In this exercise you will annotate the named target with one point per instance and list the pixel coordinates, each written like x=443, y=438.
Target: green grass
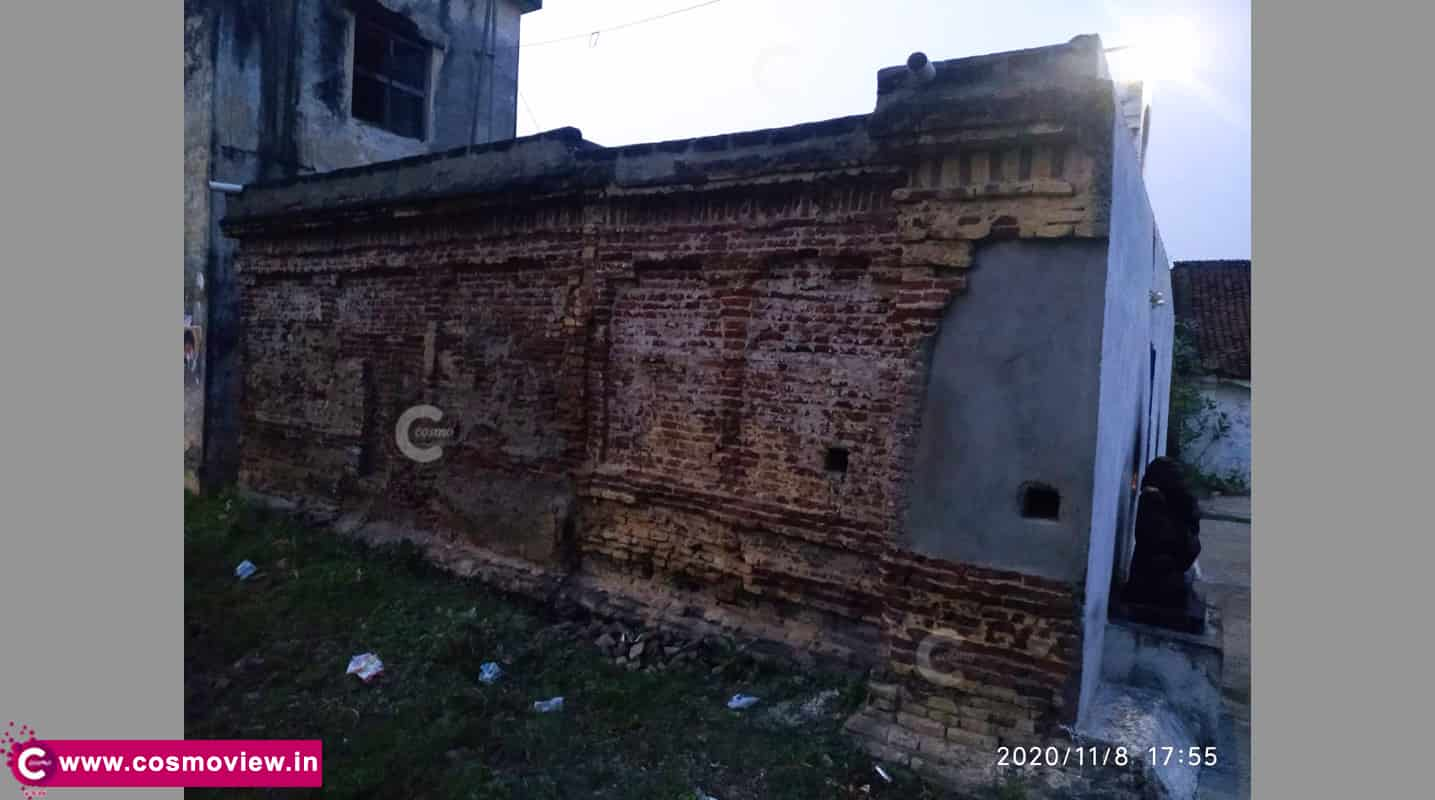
x=265, y=658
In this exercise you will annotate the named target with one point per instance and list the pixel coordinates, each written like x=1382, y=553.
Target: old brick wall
x=977, y=658
x=685, y=381
x=653, y=401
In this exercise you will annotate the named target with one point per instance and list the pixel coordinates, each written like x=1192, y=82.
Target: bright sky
x=733, y=65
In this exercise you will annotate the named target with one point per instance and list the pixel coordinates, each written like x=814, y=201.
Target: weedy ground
x=265, y=658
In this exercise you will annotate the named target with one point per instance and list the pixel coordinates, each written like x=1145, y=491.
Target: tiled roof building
x=1213, y=298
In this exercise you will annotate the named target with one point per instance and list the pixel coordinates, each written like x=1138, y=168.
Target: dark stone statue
x=1168, y=528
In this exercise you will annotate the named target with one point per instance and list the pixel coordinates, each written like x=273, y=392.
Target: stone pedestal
x=1184, y=668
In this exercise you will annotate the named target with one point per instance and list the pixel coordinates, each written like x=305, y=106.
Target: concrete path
x=1226, y=579
x=1227, y=508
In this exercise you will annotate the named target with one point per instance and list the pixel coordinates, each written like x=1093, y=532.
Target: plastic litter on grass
x=741, y=701
x=489, y=672
x=366, y=665
x=545, y=706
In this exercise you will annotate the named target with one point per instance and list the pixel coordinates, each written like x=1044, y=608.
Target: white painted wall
x=1221, y=456
x=1128, y=421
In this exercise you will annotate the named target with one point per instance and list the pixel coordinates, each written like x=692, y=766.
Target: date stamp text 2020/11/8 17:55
x=1093, y=756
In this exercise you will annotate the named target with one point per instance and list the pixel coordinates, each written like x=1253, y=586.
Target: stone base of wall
x=771, y=627
x=965, y=659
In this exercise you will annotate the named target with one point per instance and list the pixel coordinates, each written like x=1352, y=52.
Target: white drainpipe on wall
x=227, y=188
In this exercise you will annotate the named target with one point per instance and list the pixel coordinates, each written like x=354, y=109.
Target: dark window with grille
x=391, y=75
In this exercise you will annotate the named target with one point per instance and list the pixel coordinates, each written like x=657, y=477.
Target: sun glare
x=1161, y=50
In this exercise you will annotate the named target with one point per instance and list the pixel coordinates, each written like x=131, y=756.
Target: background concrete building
x=275, y=88
x=877, y=389
x=1213, y=306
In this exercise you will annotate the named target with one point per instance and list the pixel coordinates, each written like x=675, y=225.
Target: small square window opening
x=1039, y=501
x=836, y=460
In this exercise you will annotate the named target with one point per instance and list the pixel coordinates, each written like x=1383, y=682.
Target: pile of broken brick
x=647, y=650
x=634, y=647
